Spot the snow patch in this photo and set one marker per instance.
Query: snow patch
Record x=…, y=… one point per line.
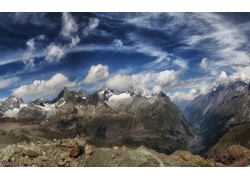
x=153, y=99
x=207, y=108
x=12, y=113
x=62, y=104
x=23, y=105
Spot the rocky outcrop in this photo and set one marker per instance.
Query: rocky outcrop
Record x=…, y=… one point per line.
x=59, y=152
x=234, y=155
x=66, y=153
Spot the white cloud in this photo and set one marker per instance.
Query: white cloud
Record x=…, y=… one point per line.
x=28, y=56
x=205, y=89
x=157, y=89
x=138, y=82
x=240, y=77
x=41, y=37
x=42, y=88
x=181, y=63
x=119, y=82
x=118, y=43
x=167, y=78
x=69, y=25
x=224, y=78
x=74, y=41
x=28, y=60
x=179, y=96
x=92, y=24
x=142, y=82
x=54, y=54
x=96, y=73
x=7, y=82
x=204, y=63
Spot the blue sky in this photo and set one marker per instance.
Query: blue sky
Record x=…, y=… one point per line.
x=182, y=54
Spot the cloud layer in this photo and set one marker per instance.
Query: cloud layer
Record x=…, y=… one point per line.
x=224, y=78
x=43, y=88
x=141, y=83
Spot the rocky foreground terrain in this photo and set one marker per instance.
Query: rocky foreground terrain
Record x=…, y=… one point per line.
x=78, y=152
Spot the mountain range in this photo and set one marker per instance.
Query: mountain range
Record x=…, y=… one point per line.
x=212, y=121
x=118, y=117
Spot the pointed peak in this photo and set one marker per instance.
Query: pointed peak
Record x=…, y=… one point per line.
x=65, y=89
x=103, y=88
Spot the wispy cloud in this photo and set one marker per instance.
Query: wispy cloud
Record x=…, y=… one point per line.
x=6, y=82
x=74, y=41
x=204, y=63
x=54, y=54
x=69, y=25
x=28, y=56
x=90, y=27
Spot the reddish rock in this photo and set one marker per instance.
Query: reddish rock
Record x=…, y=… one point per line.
x=75, y=152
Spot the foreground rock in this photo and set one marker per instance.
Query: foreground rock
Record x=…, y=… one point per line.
x=234, y=155
x=67, y=153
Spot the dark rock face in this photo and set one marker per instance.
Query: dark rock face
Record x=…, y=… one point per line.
x=41, y=102
x=67, y=95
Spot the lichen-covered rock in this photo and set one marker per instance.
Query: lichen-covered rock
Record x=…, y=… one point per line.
x=89, y=149
x=234, y=155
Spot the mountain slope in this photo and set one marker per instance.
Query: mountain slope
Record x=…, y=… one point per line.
x=219, y=110
x=203, y=107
